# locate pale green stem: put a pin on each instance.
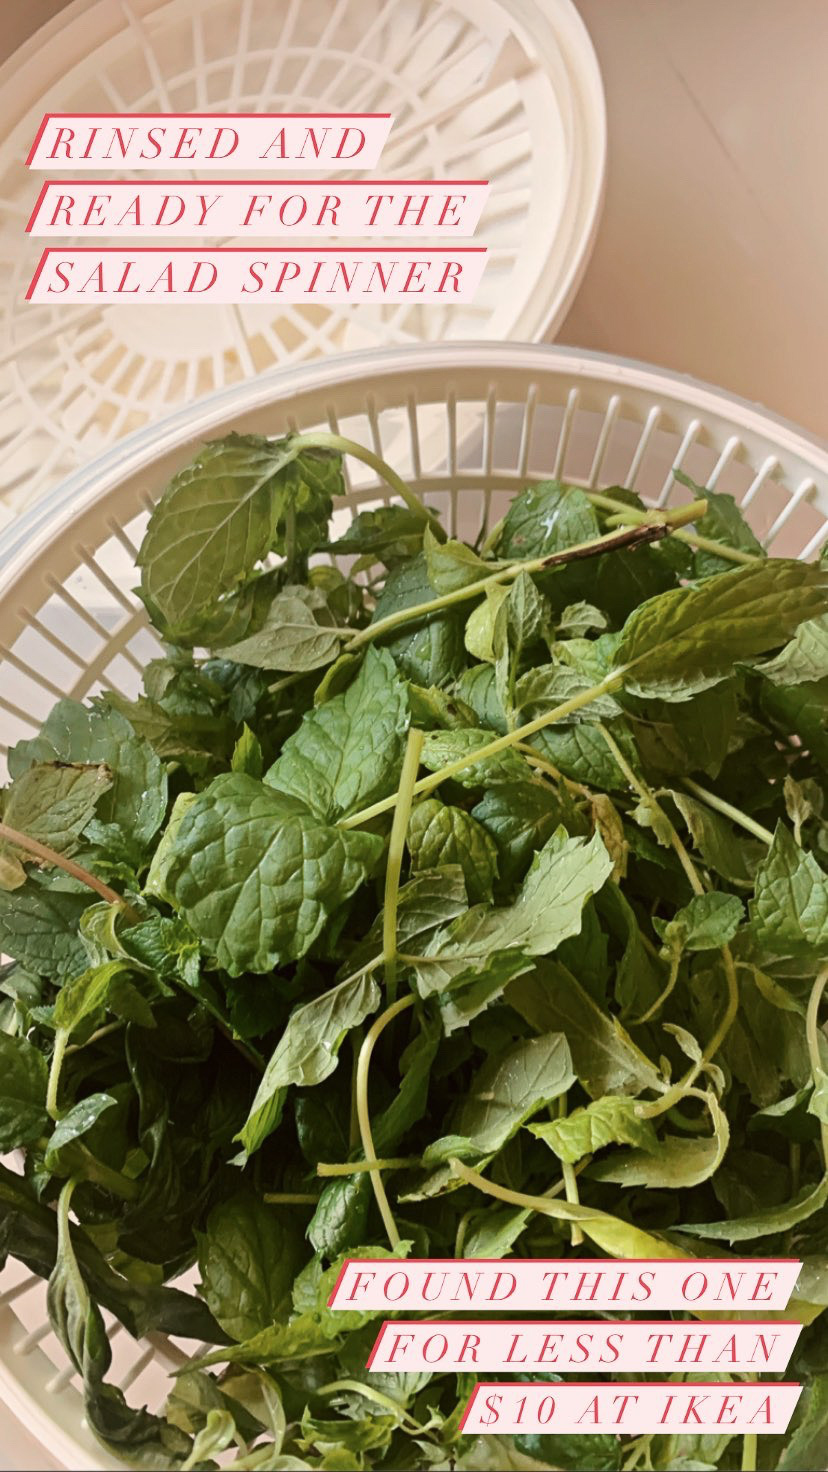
(750, 1445)
(357, 1167)
(462, 1231)
(664, 525)
(570, 1181)
(324, 440)
(536, 760)
(396, 851)
(492, 748)
(729, 811)
(364, 1114)
(704, 544)
(61, 1039)
(680, 1089)
(812, 1035)
(675, 961)
(102, 1032)
(648, 796)
(545, 1203)
(672, 1096)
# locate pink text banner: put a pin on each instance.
(384, 207)
(630, 1408)
(579, 1346)
(749, 1285)
(219, 141)
(190, 275)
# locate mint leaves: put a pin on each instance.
(257, 874)
(415, 875)
(690, 638)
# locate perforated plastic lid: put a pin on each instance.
(506, 91)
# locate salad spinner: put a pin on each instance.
(467, 424)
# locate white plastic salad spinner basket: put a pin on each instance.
(504, 90)
(469, 425)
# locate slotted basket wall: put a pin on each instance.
(467, 425)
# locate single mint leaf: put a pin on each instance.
(247, 754)
(580, 618)
(521, 623)
(804, 659)
(548, 517)
(677, 1164)
(728, 852)
(257, 875)
(723, 522)
(308, 487)
(409, 1103)
(495, 1232)
(768, 1221)
(548, 685)
(390, 535)
(430, 651)
(482, 625)
(248, 1258)
(606, 1059)
(39, 925)
(341, 1218)
(50, 802)
(23, 1076)
(346, 754)
(296, 635)
(580, 752)
(687, 639)
(789, 909)
(84, 994)
(76, 1122)
(215, 521)
(156, 880)
(520, 817)
(136, 799)
(477, 687)
(548, 908)
(307, 1051)
(441, 748)
(507, 1090)
(705, 923)
(439, 835)
(452, 565)
(608, 1121)
(425, 904)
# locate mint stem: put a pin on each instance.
(812, 1035)
(396, 850)
(326, 440)
(606, 686)
(47, 855)
(729, 811)
(364, 1114)
(652, 528)
(692, 539)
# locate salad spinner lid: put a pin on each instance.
(504, 90)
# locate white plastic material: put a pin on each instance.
(470, 424)
(505, 90)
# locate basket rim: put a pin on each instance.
(56, 506)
